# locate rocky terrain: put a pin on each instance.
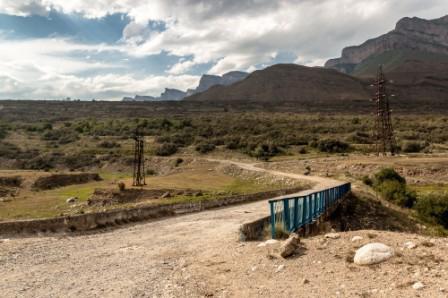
(420, 39)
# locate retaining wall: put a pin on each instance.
(91, 221)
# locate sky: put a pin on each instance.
(105, 49)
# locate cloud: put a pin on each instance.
(225, 35)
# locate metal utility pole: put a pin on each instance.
(139, 160)
(383, 132)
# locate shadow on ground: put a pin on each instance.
(359, 212)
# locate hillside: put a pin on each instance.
(412, 39)
(288, 82)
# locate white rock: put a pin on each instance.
(373, 253)
(71, 200)
(418, 286)
(263, 244)
(356, 238)
(332, 236)
(271, 242)
(280, 268)
(410, 245)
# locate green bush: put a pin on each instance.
(109, 144)
(392, 187)
(412, 147)
(388, 174)
(332, 146)
(433, 208)
(166, 149)
(205, 148)
(367, 180)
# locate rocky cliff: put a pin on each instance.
(411, 34)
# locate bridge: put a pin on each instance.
(297, 211)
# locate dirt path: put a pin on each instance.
(197, 255)
(319, 182)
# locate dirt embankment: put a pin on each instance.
(60, 180)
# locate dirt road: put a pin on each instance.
(189, 256)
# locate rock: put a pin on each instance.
(356, 238)
(373, 253)
(280, 268)
(198, 194)
(166, 195)
(271, 242)
(305, 281)
(418, 286)
(71, 200)
(289, 246)
(262, 244)
(332, 236)
(410, 245)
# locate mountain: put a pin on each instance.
(172, 94)
(206, 82)
(139, 98)
(413, 39)
(288, 82)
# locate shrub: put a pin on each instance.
(178, 161)
(303, 150)
(121, 186)
(433, 208)
(166, 149)
(367, 180)
(412, 147)
(109, 144)
(332, 146)
(205, 148)
(392, 187)
(388, 174)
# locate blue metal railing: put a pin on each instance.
(295, 212)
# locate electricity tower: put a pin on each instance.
(139, 160)
(383, 131)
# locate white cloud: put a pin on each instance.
(231, 34)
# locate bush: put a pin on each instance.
(166, 149)
(205, 148)
(109, 144)
(178, 161)
(332, 146)
(392, 187)
(412, 147)
(367, 181)
(433, 208)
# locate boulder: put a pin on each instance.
(373, 253)
(356, 238)
(166, 195)
(418, 286)
(332, 236)
(289, 246)
(410, 245)
(72, 200)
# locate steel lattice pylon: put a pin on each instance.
(383, 131)
(139, 160)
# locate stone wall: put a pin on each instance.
(91, 221)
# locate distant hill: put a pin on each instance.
(206, 82)
(288, 82)
(413, 39)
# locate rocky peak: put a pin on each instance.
(409, 34)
